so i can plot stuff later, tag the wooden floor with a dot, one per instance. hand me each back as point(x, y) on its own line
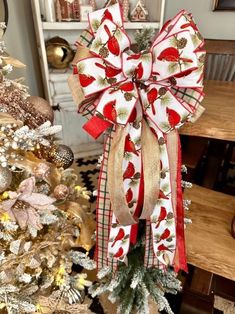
point(210, 245)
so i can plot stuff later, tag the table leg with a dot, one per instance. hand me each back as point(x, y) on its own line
point(197, 295)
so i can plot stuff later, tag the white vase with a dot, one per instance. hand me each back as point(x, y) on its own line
point(50, 10)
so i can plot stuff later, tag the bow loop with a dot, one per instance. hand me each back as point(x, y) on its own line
point(96, 75)
point(112, 13)
point(109, 43)
point(163, 108)
point(175, 56)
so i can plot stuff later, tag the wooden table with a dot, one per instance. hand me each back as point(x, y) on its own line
point(218, 120)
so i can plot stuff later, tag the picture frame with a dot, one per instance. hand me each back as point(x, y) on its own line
point(84, 10)
point(224, 5)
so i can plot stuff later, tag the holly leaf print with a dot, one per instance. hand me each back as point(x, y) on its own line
point(130, 72)
point(173, 41)
point(195, 40)
point(159, 202)
point(95, 24)
point(184, 118)
point(169, 222)
point(137, 141)
point(166, 100)
point(102, 82)
point(81, 67)
point(172, 67)
point(127, 156)
point(146, 57)
point(97, 44)
point(154, 219)
point(165, 188)
point(118, 34)
point(165, 127)
point(133, 183)
point(146, 105)
point(122, 113)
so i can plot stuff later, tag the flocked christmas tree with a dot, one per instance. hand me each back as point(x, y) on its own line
point(41, 221)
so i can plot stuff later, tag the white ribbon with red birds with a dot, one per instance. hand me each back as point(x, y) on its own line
point(135, 87)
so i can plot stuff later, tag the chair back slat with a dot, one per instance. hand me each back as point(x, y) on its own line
point(220, 60)
point(221, 65)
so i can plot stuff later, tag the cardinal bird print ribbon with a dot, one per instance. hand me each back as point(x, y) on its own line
point(142, 99)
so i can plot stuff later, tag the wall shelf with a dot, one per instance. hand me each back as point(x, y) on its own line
point(84, 25)
point(55, 81)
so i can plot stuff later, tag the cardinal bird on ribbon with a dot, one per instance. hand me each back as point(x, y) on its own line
point(142, 99)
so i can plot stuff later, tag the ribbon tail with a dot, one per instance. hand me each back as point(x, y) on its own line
point(119, 241)
point(151, 166)
point(180, 216)
point(174, 153)
point(115, 179)
point(163, 218)
point(96, 126)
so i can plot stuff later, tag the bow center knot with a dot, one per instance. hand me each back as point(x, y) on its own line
point(137, 67)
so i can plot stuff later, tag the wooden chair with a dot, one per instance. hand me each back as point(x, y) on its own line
point(209, 240)
point(220, 65)
point(220, 60)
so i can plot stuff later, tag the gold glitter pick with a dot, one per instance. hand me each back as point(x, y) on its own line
point(12, 61)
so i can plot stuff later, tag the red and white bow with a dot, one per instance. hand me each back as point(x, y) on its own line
point(160, 88)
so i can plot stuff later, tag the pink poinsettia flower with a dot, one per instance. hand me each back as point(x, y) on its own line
point(25, 206)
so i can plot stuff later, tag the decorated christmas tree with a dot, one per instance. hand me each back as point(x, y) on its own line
point(41, 221)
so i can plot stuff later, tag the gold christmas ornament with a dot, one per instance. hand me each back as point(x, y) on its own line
point(61, 156)
point(5, 178)
point(61, 192)
point(59, 53)
point(42, 108)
